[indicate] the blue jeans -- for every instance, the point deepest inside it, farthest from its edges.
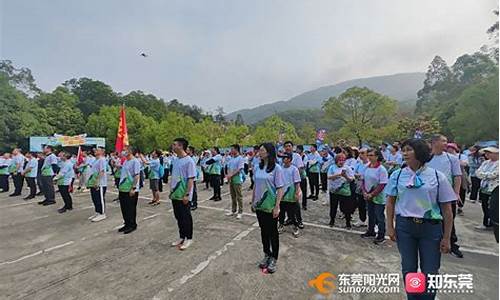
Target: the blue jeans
(419, 241)
(376, 216)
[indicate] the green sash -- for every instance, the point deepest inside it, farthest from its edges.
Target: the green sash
(118, 173)
(126, 184)
(345, 190)
(290, 194)
(236, 179)
(179, 190)
(47, 171)
(12, 168)
(92, 181)
(267, 202)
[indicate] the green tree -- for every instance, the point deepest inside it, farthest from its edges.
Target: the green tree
(92, 94)
(148, 104)
(361, 111)
(61, 111)
(274, 128)
(476, 116)
(20, 118)
(142, 130)
(175, 125)
(20, 78)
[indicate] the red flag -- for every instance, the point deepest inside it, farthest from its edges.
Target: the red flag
(79, 157)
(122, 135)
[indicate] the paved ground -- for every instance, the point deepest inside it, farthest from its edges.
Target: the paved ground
(45, 255)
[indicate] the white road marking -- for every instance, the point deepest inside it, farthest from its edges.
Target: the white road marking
(204, 264)
(150, 217)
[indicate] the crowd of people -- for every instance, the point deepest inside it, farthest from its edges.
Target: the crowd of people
(411, 191)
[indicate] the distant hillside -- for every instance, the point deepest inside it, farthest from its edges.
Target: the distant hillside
(402, 87)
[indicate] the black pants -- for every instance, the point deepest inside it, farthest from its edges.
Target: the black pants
(361, 204)
(32, 184)
(344, 203)
(4, 183)
(48, 188)
(194, 199)
(494, 211)
(269, 233)
(453, 235)
(39, 183)
(462, 197)
(314, 184)
(206, 179)
(324, 181)
(475, 185)
(18, 180)
(98, 198)
(290, 208)
(165, 176)
(215, 182)
(182, 214)
(128, 205)
(485, 201)
(66, 196)
(303, 188)
(250, 173)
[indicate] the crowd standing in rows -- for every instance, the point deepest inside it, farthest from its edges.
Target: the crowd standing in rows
(411, 191)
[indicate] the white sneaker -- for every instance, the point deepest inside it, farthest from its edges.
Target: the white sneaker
(229, 214)
(186, 244)
(93, 216)
(482, 227)
(359, 224)
(99, 217)
(177, 243)
(238, 216)
(324, 202)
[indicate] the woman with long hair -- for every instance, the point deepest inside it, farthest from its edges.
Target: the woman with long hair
(266, 198)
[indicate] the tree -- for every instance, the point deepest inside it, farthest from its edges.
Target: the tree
(175, 125)
(438, 78)
(193, 111)
(20, 78)
(274, 128)
(148, 104)
(476, 116)
(360, 110)
(92, 94)
(239, 120)
(406, 127)
(19, 117)
(142, 130)
(61, 111)
(220, 115)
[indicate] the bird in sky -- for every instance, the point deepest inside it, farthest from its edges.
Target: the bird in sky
(144, 54)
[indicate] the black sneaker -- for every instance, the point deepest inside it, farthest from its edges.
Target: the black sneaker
(271, 266)
(218, 199)
(315, 198)
(129, 230)
(264, 262)
(42, 202)
(122, 229)
(457, 253)
(287, 222)
(368, 235)
(61, 210)
(300, 225)
(49, 203)
(379, 240)
(332, 223)
(304, 207)
(194, 207)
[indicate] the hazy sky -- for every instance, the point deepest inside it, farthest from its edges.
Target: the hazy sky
(235, 53)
